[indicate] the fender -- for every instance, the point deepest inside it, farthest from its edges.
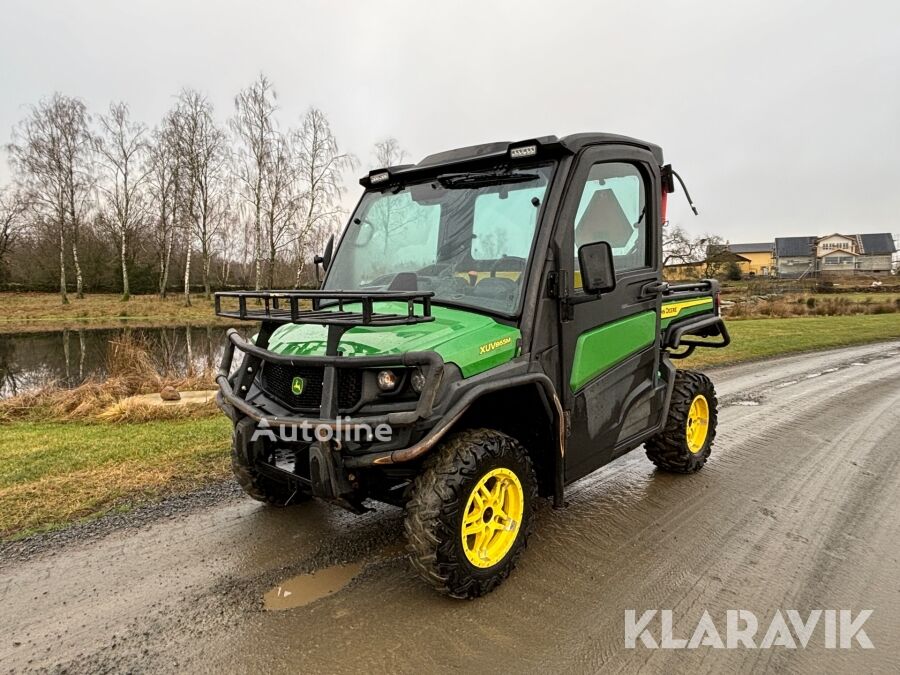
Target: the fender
(458, 409)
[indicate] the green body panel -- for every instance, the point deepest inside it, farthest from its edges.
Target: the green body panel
(678, 309)
(476, 343)
(601, 348)
(472, 341)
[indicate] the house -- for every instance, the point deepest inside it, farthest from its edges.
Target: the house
(757, 258)
(717, 259)
(835, 253)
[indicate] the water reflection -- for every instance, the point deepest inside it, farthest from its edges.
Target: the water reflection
(30, 361)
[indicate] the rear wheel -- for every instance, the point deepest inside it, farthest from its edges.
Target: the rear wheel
(686, 442)
(471, 512)
(262, 488)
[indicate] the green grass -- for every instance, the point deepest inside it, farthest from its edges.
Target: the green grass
(753, 339)
(53, 473)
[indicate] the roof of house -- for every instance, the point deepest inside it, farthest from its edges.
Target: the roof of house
(788, 247)
(764, 247)
(726, 256)
(870, 244)
(877, 244)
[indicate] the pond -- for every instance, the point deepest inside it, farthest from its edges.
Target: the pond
(29, 361)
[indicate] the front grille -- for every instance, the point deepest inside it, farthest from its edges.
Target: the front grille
(277, 380)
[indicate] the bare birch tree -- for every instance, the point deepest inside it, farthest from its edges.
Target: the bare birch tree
(253, 125)
(281, 204)
(388, 153)
(320, 166)
(203, 153)
(70, 117)
(122, 146)
(165, 187)
(48, 156)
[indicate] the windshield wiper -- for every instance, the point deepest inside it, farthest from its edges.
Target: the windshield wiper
(481, 179)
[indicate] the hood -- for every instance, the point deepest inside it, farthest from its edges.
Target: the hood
(472, 341)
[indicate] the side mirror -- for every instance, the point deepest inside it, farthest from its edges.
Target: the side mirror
(325, 260)
(329, 251)
(598, 270)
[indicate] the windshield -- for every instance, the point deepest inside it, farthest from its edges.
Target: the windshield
(465, 236)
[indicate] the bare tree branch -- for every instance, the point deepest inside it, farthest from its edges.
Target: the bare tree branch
(122, 147)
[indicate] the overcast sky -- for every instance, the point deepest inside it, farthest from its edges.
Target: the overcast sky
(783, 117)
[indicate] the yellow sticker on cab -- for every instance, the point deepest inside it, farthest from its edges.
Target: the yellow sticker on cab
(674, 308)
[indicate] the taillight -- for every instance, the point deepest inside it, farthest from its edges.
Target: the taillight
(663, 205)
(717, 301)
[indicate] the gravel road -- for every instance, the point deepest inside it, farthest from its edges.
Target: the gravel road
(798, 508)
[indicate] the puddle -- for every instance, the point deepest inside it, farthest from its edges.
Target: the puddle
(306, 588)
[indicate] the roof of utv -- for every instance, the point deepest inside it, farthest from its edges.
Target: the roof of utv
(488, 153)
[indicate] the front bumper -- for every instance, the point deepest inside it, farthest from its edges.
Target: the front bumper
(241, 396)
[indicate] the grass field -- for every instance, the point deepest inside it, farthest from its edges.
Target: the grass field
(30, 312)
(753, 339)
(53, 473)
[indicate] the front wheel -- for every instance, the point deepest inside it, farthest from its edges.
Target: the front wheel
(471, 512)
(685, 443)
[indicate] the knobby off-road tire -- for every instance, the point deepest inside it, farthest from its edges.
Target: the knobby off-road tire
(443, 503)
(681, 447)
(260, 487)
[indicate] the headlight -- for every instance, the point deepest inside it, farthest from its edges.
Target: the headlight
(388, 380)
(417, 380)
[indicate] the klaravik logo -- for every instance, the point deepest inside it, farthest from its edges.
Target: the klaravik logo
(830, 627)
(297, 386)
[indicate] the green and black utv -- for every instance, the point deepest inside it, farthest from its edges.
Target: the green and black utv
(492, 326)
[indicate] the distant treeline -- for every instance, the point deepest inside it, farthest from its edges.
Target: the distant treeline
(101, 202)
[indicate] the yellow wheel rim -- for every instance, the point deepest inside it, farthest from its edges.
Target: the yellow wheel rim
(492, 517)
(697, 423)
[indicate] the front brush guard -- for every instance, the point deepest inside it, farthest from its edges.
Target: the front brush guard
(328, 476)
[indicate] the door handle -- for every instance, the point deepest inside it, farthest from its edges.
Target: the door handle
(654, 288)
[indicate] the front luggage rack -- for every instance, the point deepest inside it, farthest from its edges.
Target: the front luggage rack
(276, 308)
(281, 307)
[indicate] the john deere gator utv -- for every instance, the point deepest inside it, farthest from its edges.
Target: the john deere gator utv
(492, 326)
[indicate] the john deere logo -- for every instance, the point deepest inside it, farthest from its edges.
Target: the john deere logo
(297, 386)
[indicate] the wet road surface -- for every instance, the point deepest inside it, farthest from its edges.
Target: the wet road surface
(798, 508)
